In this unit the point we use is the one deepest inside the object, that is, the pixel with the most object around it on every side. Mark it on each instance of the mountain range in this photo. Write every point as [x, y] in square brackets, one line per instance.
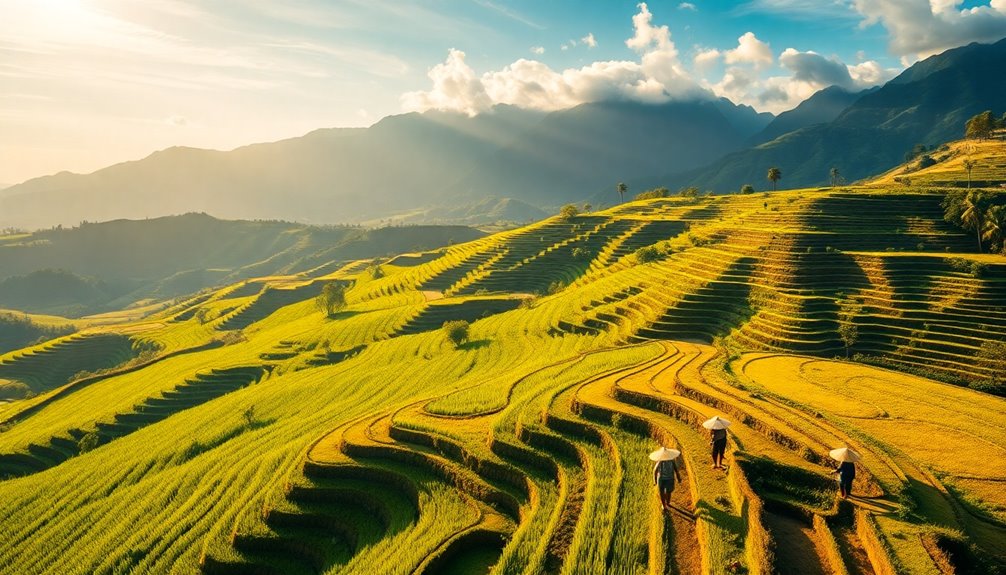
[512, 164]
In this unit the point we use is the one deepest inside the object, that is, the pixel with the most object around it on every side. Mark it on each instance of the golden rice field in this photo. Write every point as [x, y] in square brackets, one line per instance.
[245, 431]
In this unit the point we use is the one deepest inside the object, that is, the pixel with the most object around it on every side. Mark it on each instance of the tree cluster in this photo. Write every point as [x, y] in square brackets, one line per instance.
[977, 212]
[981, 126]
[653, 194]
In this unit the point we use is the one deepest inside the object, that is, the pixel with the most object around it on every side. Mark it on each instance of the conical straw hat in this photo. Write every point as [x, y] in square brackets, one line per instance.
[716, 422]
[664, 454]
[844, 454]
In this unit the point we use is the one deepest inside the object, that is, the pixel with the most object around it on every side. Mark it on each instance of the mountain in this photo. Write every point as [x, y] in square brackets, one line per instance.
[572, 154]
[94, 267]
[401, 166]
[927, 103]
[823, 107]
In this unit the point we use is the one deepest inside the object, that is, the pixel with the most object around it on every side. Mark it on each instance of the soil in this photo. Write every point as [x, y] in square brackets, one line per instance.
[797, 551]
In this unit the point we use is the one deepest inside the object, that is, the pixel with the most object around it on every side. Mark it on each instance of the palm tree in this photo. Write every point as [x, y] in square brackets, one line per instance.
[834, 177]
[995, 225]
[621, 188]
[973, 216]
[968, 165]
[774, 175]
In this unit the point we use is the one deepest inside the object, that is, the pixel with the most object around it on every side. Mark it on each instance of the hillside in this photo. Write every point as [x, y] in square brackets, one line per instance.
[434, 167]
[821, 108]
[101, 266]
[928, 103]
[246, 431]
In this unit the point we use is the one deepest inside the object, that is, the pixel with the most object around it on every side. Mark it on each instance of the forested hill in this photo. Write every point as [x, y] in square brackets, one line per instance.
[97, 266]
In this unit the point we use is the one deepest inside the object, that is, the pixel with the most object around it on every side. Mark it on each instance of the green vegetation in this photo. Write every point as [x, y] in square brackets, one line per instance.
[19, 330]
[440, 420]
[774, 175]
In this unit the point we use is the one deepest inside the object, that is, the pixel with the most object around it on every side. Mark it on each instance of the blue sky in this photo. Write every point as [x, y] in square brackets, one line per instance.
[88, 83]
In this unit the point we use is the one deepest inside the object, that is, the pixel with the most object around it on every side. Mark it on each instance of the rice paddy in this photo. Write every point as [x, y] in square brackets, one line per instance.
[247, 431]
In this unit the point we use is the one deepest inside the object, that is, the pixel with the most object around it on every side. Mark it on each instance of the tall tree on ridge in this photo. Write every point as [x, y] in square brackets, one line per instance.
[834, 176]
[969, 164]
[774, 175]
[621, 188]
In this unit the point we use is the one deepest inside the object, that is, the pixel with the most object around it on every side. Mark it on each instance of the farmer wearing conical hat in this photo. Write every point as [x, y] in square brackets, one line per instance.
[846, 469]
[665, 470]
[717, 427]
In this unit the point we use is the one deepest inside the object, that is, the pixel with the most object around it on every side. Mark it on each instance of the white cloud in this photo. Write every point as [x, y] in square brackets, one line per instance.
[658, 76]
[688, 6]
[749, 50]
[539, 50]
[589, 40]
[921, 28]
[705, 59]
[455, 87]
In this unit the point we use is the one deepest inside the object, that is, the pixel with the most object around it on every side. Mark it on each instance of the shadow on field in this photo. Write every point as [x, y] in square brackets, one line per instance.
[476, 344]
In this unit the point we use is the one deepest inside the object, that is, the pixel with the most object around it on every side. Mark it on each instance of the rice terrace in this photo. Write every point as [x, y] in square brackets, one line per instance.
[805, 374]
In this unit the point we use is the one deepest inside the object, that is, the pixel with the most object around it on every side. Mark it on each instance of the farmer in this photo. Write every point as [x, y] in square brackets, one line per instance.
[717, 427]
[846, 469]
[665, 471]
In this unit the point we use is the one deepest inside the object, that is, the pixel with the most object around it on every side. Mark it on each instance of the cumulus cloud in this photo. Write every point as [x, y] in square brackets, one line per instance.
[921, 28]
[589, 40]
[455, 87]
[705, 59]
[658, 76]
[749, 50]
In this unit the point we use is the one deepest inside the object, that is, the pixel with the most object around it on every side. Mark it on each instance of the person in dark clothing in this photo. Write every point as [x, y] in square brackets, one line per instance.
[846, 473]
[718, 439]
[664, 474]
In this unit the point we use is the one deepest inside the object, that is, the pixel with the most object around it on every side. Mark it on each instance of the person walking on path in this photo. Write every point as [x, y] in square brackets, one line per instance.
[846, 469]
[665, 471]
[717, 427]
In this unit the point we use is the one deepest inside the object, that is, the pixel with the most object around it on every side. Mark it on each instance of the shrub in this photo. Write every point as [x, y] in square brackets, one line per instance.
[568, 212]
[89, 442]
[249, 416]
[926, 161]
[747, 189]
[456, 331]
[647, 254]
[653, 194]
[556, 287]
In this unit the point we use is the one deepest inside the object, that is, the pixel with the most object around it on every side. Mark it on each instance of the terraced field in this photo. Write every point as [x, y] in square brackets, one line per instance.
[264, 436]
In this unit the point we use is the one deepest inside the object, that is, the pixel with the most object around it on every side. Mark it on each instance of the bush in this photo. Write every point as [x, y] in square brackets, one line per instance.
[456, 331]
[556, 287]
[926, 161]
[568, 212]
[653, 194]
[747, 189]
[647, 254]
[89, 442]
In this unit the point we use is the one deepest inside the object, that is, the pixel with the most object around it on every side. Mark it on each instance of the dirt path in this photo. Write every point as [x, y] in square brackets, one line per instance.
[797, 551]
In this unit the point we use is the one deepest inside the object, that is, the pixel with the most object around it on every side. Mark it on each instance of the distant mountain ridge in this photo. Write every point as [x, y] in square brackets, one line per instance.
[398, 166]
[95, 267]
[928, 103]
[516, 165]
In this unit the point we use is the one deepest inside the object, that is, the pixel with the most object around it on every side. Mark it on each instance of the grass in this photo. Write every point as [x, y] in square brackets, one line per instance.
[535, 432]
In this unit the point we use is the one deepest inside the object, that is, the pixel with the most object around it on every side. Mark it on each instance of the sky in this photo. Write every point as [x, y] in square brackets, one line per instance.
[88, 83]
